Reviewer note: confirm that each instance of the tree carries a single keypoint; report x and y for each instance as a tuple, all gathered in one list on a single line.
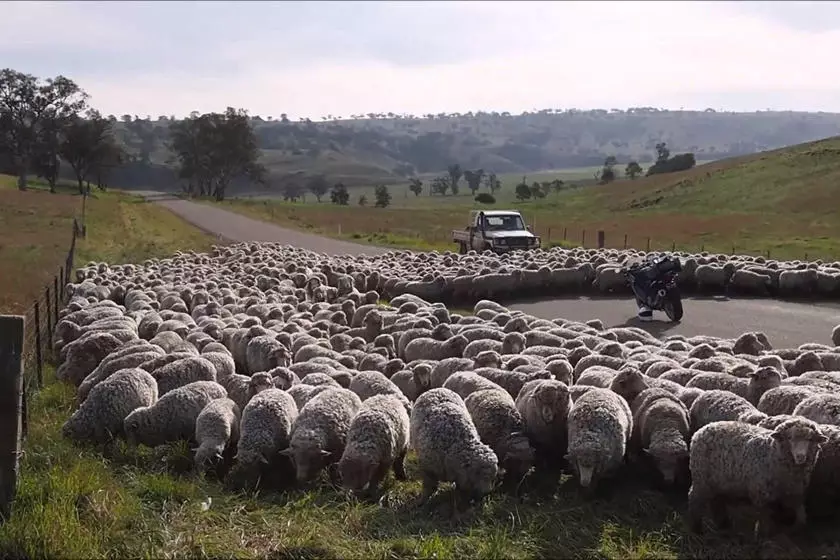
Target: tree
[(493, 183), (440, 185), (416, 186), (45, 161), (608, 171), (662, 152), (318, 186), (88, 145), (473, 179), (633, 169), (27, 107), (292, 192), (382, 197), (523, 191), (214, 149), (556, 185), (455, 175), (362, 200), (536, 190), (339, 195)]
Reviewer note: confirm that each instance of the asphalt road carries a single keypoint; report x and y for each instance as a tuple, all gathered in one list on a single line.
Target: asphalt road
[(786, 324)]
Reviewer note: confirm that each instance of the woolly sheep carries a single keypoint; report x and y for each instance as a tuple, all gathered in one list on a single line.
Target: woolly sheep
[(264, 431), (101, 415), (377, 440), (320, 431), (599, 428), (266, 352), (737, 460), (662, 430), (172, 417), (544, 405), (216, 429), (448, 446), (718, 405), (366, 384), (183, 372), (822, 408), (431, 349), (463, 383), (758, 383), (84, 354), (785, 398), (500, 425)]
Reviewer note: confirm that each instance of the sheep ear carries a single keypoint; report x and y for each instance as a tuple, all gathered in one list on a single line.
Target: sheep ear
[(262, 459), (194, 449), (820, 438), (752, 375), (645, 450), (517, 434), (567, 457), (325, 453), (778, 436), (286, 452)]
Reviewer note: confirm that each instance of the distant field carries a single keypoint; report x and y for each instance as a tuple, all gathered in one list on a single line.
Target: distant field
[(782, 203)]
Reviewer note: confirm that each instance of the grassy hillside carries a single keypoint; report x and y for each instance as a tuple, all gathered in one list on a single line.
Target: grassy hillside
[(783, 202), (389, 148)]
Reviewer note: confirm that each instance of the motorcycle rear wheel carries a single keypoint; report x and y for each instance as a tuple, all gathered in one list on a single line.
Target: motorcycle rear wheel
[(672, 305)]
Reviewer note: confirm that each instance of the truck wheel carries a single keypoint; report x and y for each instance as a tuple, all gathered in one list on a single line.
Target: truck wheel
[(462, 249)]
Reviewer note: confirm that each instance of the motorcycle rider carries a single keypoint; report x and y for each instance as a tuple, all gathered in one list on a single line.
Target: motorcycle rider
[(641, 288)]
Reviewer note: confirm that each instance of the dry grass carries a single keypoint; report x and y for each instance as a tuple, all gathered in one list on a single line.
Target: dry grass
[(782, 203), (35, 233)]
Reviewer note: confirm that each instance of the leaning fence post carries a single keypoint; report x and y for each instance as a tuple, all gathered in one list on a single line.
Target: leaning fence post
[(11, 403), (583, 239), (648, 245), (625, 240), (600, 239), (39, 361), (564, 233), (49, 314)]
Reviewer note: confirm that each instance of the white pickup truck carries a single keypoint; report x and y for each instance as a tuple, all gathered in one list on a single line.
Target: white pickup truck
[(497, 230)]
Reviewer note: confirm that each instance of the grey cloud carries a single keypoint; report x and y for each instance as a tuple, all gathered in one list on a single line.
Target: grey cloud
[(800, 15)]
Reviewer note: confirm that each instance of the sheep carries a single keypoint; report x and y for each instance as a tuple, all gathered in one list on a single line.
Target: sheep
[(172, 417), (320, 432), (661, 430), (717, 405), (431, 349), (822, 408), (599, 427), (264, 353), (377, 440), (759, 382), (511, 381), (216, 429), (303, 393), (182, 372), (835, 336), (264, 431), (100, 417), (737, 460), (448, 446), (464, 383), (84, 354), (113, 363), (544, 405), (500, 425), (448, 366), (366, 384), (785, 398)]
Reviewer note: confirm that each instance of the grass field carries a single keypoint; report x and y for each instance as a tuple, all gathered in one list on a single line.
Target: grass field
[(117, 502), (782, 203)]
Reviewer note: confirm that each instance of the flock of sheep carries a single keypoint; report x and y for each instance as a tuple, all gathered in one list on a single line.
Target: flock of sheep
[(266, 357)]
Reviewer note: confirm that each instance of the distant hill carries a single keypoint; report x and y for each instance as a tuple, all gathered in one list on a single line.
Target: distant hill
[(389, 148)]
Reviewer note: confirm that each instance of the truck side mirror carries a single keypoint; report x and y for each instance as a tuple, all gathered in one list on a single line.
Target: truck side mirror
[(528, 228)]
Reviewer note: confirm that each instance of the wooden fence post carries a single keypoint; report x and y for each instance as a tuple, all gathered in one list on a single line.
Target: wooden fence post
[(564, 234), (648, 244), (39, 361), (625, 240), (583, 239), (600, 239), (49, 314), (55, 295), (11, 402)]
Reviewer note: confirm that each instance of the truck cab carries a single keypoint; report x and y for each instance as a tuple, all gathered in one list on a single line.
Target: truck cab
[(497, 230)]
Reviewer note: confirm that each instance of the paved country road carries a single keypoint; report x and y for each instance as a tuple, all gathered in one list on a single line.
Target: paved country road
[(787, 324)]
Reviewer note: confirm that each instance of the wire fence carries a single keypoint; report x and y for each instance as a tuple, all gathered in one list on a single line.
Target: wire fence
[(25, 347)]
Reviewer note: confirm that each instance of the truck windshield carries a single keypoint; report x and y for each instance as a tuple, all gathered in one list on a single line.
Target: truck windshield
[(511, 222)]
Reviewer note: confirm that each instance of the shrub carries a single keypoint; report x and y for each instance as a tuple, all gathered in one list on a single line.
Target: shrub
[(485, 198)]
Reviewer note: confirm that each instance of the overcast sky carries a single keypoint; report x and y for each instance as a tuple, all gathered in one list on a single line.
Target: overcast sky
[(318, 58)]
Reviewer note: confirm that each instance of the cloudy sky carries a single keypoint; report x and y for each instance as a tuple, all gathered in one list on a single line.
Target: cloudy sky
[(318, 58)]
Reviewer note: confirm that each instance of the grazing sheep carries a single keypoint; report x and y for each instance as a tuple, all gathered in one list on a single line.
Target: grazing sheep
[(599, 427), (264, 431), (172, 417), (717, 405), (730, 459), (500, 425), (216, 429), (822, 408), (448, 446), (758, 383), (431, 349), (320, 431), (661, 429), (377, 440), (101, 415)]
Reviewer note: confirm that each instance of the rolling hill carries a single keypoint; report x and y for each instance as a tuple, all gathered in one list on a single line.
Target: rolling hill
[(389, 148)]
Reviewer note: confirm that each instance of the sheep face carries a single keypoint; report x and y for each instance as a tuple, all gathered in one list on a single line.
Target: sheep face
[(519, 454), (800, 438), (307, 456), (586, 463), (356, 471), (668, 454), (422, 377)]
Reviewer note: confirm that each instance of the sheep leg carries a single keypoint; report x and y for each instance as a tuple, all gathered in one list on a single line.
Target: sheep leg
[(399, 467), (696, 505), (378, 476), (430, 485), (764, 524), (720, 513)]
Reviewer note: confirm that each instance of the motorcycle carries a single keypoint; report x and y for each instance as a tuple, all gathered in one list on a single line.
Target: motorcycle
[(661, 293)]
